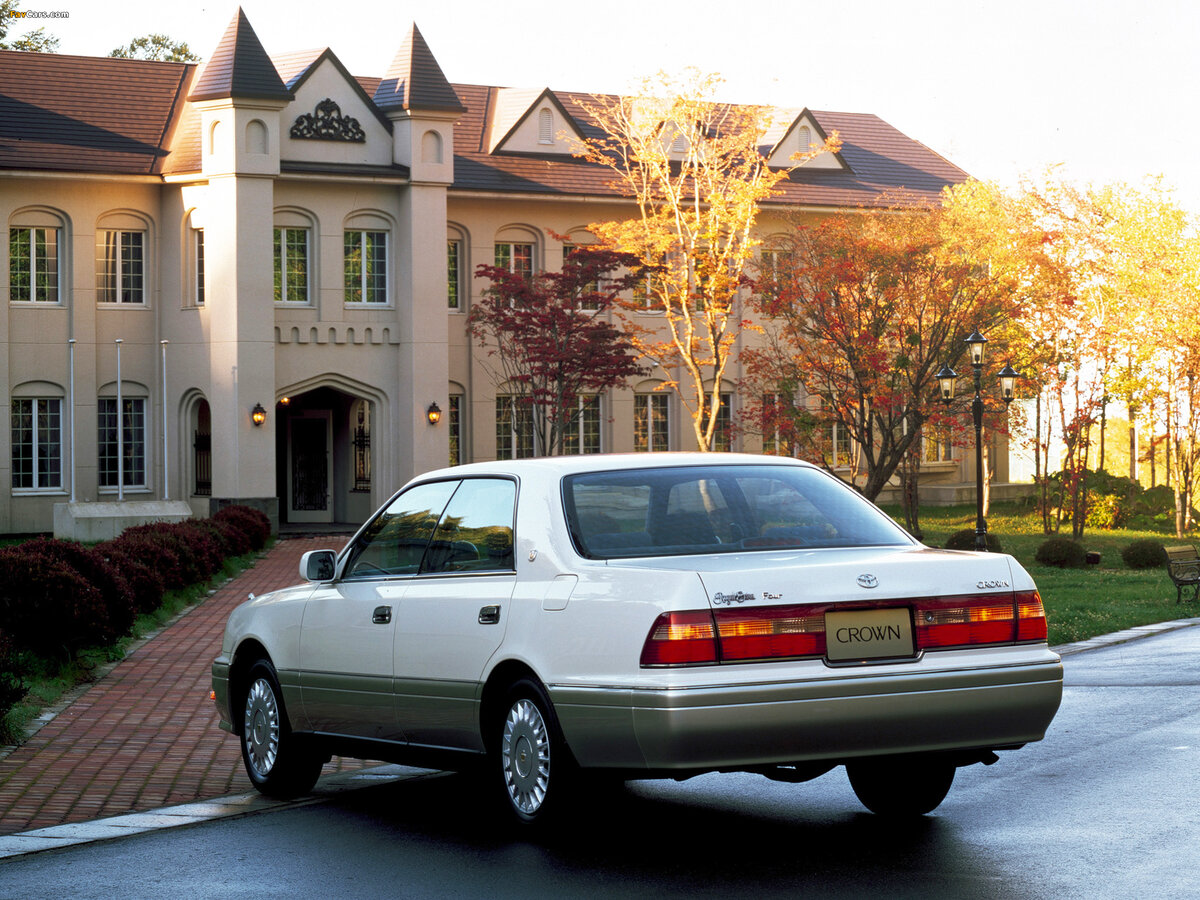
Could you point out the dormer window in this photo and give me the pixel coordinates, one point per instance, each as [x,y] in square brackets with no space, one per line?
[805,137]
[545,127]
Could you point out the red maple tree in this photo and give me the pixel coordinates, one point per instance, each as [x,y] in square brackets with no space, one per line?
[550,339]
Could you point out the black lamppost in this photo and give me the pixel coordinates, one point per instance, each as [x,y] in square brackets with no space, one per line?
[947,380]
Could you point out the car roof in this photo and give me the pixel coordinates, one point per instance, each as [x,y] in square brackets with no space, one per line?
[558,466]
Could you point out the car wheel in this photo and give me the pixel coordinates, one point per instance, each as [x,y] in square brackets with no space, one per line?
[530,754]
[277,761]
[903,786]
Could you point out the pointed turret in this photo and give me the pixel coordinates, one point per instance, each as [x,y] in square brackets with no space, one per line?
[414,80]
[239,68]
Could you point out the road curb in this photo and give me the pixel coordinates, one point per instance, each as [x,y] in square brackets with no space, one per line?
[232,806]
[1124,637]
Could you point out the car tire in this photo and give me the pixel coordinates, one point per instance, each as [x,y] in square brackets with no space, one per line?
[530,755]
[277,761]
[901,786]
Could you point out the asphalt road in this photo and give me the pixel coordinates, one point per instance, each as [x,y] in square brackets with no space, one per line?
[1106,806]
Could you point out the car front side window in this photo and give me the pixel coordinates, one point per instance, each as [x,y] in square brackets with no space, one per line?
[475,533]
[395,541]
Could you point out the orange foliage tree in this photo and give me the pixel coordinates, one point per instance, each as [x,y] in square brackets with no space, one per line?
[694,168]
[859,312]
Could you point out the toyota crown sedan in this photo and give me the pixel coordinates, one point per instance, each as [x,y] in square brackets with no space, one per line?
[640,616]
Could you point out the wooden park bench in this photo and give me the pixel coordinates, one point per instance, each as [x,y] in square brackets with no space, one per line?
[1183,565]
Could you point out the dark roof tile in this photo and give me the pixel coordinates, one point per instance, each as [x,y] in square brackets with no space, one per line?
[414,80]
[87,114]
[239,68]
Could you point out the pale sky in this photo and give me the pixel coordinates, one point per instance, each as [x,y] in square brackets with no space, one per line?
[999,87]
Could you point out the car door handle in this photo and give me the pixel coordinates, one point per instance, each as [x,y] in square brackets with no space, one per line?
[382,615]
[489,615]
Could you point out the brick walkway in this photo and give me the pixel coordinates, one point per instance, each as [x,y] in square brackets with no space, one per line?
[145,735]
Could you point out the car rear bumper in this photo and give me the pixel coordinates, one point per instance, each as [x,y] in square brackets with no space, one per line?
[863,714]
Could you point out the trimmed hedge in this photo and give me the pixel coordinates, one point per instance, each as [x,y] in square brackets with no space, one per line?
[964,539]
[60,597]
[1146,553]
[1062,552]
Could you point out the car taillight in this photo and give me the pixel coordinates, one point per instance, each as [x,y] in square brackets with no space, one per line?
[705,637]
[1031,616]
[964,622]
[770,633]
[680,639]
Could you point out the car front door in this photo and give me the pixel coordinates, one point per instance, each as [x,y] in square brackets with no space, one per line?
[347,634]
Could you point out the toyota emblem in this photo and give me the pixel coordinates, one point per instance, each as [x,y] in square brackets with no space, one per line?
[868,581]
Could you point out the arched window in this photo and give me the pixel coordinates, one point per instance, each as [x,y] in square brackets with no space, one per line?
[366,256]
[35,257]
[545,127]
[122,255]
[293,256]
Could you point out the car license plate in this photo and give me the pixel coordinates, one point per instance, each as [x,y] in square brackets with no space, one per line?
[868,634]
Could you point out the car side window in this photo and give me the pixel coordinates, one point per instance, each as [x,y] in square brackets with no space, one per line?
[475,533]
[395,541]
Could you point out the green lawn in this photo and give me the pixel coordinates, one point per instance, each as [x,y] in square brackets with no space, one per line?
[1080,603]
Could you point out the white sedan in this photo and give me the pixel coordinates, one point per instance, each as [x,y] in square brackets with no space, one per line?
[651,615]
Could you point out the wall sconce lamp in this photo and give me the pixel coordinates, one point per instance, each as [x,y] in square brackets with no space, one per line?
[258,415]
[434,413]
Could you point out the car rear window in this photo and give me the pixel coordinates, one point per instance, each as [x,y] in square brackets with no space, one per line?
[718,509]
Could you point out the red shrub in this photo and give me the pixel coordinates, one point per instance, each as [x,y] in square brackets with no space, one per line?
[145,579]
[48,607]
[98,572]
[156,554]
[253,522]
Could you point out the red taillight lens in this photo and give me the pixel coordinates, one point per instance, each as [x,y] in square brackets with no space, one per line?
[964,622]
[1031,616]
[770,633]
[699,637]
[680,639]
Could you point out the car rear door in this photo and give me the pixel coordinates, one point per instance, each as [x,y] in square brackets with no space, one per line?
[453,616]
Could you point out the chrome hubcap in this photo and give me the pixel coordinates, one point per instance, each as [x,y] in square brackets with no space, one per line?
[525,755]
[260,731]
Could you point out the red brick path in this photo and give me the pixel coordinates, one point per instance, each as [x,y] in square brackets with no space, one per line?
[145,735]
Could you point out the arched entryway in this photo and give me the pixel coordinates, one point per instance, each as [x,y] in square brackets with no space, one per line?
[324,456]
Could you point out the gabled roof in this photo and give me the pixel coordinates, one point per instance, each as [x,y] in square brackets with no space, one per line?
[776,145]
[239,68]
[296,68]
[509,108]
[87,114]
[414,80]
[881,163]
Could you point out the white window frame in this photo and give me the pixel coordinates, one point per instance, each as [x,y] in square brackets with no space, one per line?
[657,409]
[368,295]
[45,455]
[512,443]
[111,289]
[54,267]
[281,259]
[198,260]
[454,279]
[139,430]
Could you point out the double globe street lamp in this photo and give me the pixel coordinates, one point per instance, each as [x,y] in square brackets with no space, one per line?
[947,383]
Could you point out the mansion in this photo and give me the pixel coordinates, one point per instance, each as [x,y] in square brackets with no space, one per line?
[247,280]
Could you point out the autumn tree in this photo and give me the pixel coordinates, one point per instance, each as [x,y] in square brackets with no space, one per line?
[695,170]
[859,313]
[550,342]
[158,47]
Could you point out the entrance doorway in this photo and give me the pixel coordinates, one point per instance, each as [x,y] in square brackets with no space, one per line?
[310,466]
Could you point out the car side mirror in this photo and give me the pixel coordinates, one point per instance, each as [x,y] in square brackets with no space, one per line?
[318,565]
